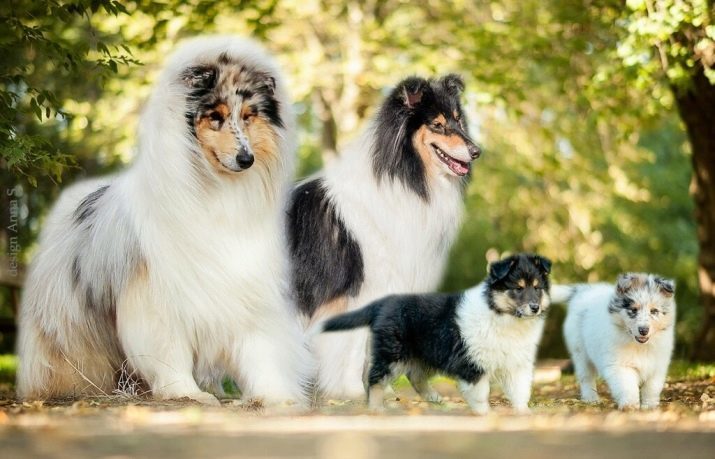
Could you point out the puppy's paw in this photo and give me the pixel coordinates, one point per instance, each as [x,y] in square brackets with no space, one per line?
[480,409]
[432,397]
[650,405]
[628,406]
[521,410]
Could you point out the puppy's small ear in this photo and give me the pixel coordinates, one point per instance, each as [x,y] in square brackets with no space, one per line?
[500,269]
[453,83]
[412,90]
[625,282]
[199,76]
[667,286]
[543,263]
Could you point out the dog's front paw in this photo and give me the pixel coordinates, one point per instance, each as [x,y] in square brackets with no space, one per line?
[433,397]
[628,406]
[480,409]
[650,405]
[205,398]
[521,410]
[592,398]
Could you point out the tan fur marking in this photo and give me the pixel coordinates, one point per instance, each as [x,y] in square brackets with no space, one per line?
[332,308]
[521,283]
[216,143]
[536,282]
[420,140]
[423,139]
[263,139]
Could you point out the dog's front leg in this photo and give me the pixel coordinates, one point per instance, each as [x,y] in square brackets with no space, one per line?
[161,354]
[476,394]
[650,392]
[623,383]
[517,388]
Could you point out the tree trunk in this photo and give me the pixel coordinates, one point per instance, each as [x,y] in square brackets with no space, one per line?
[696,106]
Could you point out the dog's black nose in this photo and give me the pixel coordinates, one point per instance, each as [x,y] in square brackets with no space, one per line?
[643,330]
[474,151]
[534,307]
[244,159]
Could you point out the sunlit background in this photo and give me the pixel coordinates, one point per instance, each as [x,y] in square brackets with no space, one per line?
[586,160]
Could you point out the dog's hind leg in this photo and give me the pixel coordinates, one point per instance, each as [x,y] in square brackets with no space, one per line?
[418,376]
[378,379]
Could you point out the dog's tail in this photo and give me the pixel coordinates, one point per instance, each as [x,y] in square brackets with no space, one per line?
[561,293]
[360,318]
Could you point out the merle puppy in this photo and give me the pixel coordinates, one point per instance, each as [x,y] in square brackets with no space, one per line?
[489,332]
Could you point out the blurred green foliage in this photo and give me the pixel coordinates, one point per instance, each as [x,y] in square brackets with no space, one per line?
[585,158]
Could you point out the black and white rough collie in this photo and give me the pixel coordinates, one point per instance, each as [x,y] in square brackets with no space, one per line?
[381,218]
[488,333]
[177,266]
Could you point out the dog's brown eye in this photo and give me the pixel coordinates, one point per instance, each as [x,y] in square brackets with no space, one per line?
[655,312]
[437,125]
[215,119]
[247,117]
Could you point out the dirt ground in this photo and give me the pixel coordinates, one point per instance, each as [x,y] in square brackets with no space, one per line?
[560,427]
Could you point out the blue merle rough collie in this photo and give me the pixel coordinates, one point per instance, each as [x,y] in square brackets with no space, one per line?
[381,218]
[487,333]
[176,267]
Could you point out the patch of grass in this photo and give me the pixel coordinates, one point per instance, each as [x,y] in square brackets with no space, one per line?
[8,368]
[683,370]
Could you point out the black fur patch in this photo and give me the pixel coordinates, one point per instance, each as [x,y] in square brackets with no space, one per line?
[619,302]
[409,329]
[86,208]
[413,103]
[505,277]
[326,261]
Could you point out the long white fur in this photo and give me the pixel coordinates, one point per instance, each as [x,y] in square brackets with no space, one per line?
[213,297]
[503,345]
[602,343]
[404,243]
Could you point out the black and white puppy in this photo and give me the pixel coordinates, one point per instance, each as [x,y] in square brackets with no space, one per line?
[487,333]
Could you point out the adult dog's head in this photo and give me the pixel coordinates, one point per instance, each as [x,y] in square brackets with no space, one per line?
[643,305]
[233,113]
[518,285]
[222,97]
[421,134]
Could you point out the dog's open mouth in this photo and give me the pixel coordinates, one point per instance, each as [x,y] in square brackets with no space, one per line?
[642,339]
[458,167]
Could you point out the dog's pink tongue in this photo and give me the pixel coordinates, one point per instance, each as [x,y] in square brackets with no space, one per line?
[458,168]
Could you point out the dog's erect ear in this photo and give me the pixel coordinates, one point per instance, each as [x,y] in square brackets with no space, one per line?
[453,83]
[667,286]
[412,90]
[500,269]
[266,83]
[625,282]
[199,76]
[543,263]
